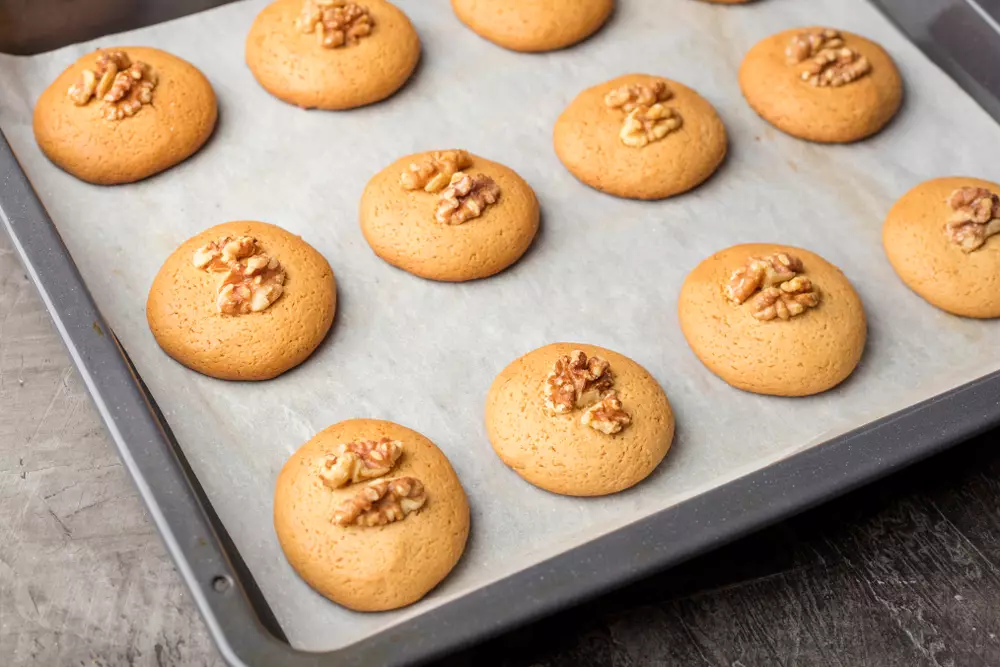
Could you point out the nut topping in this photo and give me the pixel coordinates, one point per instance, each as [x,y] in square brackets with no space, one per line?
[382,501]
[646,120]
[123,85]
[359,461]
[434,172]
[828,62]
[607,416]
[577,381]
[808,44]
[251,280]
[644,125]
[335,23]
[780,292]
[466,197]
[627,98]
[976,217]
[759,273]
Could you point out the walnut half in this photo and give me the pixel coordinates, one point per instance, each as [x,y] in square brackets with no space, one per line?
[607,416]
[644,125]
[627,98]
[251,280]
[807,44]
[381,502]
[781,293]
[358,461]
[434,172]
[835,68]
[335,23]
[976,217]
[465,198]
[576,380]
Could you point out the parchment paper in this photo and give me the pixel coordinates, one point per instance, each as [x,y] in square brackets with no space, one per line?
[603,270]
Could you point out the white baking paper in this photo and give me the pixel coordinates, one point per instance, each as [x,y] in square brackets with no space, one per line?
[603,270]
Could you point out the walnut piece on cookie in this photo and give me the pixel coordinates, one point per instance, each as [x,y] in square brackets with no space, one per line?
[123,85]
[252,281]
[828,61]
[647,119]
[382,501]
[607,415]
[577,381]
[336,23]
[975,219]
[465,198]
[359,461]
[780,292]
[433,173]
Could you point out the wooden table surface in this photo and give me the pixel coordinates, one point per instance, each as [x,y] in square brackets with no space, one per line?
[905,572]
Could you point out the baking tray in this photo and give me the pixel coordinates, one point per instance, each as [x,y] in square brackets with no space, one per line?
[222,586]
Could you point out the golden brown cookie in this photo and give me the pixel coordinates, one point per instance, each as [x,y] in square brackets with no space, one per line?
[641,137]
[579,420]
[532,25]
[337,57]
[242,301]
[943,239]
[821,84]
[448,215]
[121,114]
[773,319]
[370,514]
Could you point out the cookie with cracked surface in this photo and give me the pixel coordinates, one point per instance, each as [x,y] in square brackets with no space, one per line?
[122,114]
[641,137]
[371,554]
[448,215]
[943,239]
[579,420]
[533,26]
[773,319]
[821,84]
[242,301]
[332,56]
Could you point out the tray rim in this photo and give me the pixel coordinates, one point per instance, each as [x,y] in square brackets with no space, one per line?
[196,540]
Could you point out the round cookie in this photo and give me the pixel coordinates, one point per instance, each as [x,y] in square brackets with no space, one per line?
[401,216]
[942,251]
[72,128]
[588,138]
[367,566]
[559,451]
[772,83]
[532,26]
[185,302]
[808,353]
[375,57]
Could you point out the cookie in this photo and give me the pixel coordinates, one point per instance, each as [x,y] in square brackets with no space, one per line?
[242,301]
[448,215]
[773,319]
[821,84]
[370,514]
[641,137]
[579,420]
[122,114]
[943,239]
[532,26]
[334,57]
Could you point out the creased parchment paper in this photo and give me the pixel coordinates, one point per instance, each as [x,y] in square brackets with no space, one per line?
[603,270]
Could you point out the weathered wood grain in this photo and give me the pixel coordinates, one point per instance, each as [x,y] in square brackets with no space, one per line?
[902,573]
[84,578]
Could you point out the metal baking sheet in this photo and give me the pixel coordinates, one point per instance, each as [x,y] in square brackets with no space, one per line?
[385,357]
